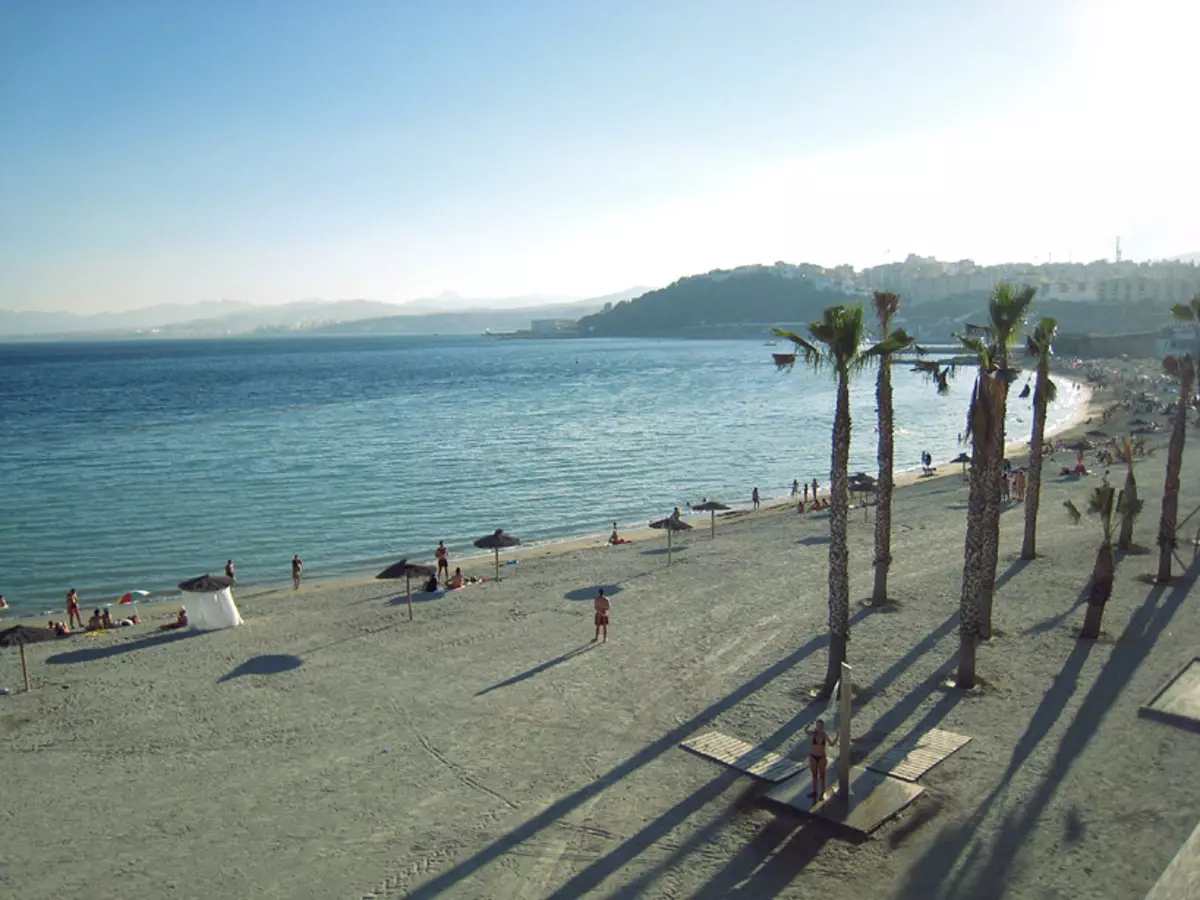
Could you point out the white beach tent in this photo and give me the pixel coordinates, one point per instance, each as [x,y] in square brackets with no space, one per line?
[210,605]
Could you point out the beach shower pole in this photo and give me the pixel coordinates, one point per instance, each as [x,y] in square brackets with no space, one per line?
[844,697]
[408,588]
[25,667]
[669,530]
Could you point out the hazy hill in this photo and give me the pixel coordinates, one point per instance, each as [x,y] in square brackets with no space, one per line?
[749,299]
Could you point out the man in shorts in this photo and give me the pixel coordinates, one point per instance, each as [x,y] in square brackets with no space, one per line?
[297,570]
[443,559]
[602,605]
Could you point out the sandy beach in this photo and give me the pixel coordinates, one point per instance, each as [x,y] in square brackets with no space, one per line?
[331,748]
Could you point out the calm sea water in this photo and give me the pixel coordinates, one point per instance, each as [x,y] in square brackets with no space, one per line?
[135,465]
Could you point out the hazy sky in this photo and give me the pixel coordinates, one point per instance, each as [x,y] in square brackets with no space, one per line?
[179,151]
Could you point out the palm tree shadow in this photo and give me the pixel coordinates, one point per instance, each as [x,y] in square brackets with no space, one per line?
[538,669]
[589,593]
[1055,621]
[814,540]
[1015,568]
[663,551]
[267,664]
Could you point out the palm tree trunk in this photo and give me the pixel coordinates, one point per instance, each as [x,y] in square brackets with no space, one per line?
[1170,504]
[968,607]
[839,553]
[997,396]
[1102,584]
[1125,539]
[1033,486]
[883,487]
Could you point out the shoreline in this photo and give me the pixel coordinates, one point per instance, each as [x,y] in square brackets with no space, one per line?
[480,563]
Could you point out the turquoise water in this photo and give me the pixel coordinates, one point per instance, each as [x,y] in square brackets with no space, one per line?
[135,465]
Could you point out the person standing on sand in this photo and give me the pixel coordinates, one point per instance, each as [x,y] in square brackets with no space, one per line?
[754,497]
[814,490]
[806,492]
[602,605]
[297,570]
[795,486]
[443,558]
[73,613]
[817,759]
[229,573]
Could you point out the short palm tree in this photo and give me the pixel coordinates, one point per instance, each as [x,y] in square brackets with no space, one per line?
[890,343]
[1130,505]
[1184,369]
[833,345]
[1102,503]
[1039,346]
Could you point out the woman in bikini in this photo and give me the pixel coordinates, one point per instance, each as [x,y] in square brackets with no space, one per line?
[817,760]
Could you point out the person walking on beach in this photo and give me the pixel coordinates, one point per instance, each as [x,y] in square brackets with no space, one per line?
[814,490]
[806,492]
[795,486]
[297,570]
[754,497]
[817,760]
[602,605]
[229,573]
[73,613]
[443,558]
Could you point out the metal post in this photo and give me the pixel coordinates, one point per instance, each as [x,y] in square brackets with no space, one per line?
[844,697]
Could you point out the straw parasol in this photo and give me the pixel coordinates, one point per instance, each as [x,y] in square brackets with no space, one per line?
[671,524]
[497,541]
[206,584]
[710,506]
[22,635]
[406,570]
[965,459]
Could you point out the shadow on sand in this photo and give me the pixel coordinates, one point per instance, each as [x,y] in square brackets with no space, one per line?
[538,669]
[662,551]
[589,593]
[268,664]
[91,654]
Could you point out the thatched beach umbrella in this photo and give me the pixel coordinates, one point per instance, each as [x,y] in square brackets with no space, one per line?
[406,570]
[21,635]
[965,459]
[710,506]
[206,584]
[670,523]
[497,541]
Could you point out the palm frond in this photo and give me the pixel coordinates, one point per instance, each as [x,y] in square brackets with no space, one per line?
[887,305]
[1051,390]
[939,374]
[1072,511]
[1184,312]
[1007,308]
[811,353]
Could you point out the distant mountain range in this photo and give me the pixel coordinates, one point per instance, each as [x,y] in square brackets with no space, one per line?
[447,313]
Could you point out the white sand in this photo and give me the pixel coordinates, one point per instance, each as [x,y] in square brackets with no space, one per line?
[332,749]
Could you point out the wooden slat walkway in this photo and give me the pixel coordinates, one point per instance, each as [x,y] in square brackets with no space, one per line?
[742,756]
[913,758]
[1181,879]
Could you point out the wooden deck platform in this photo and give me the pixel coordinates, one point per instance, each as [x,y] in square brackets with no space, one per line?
[911,759]
[746,758]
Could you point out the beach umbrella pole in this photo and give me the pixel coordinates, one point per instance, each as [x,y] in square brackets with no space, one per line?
[669,529]
[713,522]
[25,667]
[496,550]
[408,587]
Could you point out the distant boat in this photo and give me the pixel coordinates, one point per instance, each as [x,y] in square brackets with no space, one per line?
[770,343]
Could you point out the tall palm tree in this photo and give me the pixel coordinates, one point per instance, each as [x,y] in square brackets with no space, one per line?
[890,342]
[1007,308]
[1184,369]
[1040,346]
[833,346]
[1100,504]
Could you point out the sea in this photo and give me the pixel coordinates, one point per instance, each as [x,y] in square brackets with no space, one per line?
[137,464]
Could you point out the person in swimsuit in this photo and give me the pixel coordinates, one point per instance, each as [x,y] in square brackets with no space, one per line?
[442,555]
[229,573]
[455,581]
[297,570]
[601,605]
[795,486]
[73,613]
[815,486]
[3,602]
[817,760]
[754,498]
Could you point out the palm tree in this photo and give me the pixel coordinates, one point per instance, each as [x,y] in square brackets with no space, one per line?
[834,347]
[890,342]
[1130,505]
[1040,346]
[1007,308]
[1190,312]
[1100,504]
[1182,368]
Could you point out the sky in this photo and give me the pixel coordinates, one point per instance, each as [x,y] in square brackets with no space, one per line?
[269,151]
